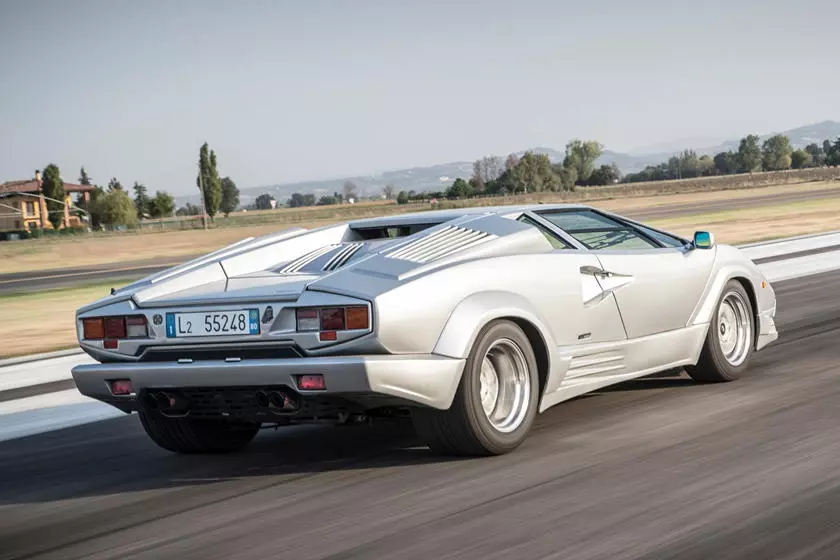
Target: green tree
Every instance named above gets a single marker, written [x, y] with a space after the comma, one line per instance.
[817, 154]
[84, 178]
[388, 191]
[114, 185]
[402, 198]
[725, 163]
[604, 175]
[832, 153]
[208, 180]
[230, 197]
[142, 200]
[326, 200]
[705, 166]
[776, 152]
[749, 154]
[533, 173]
[92, 208]
[263, 202]
[800, 159]
[581, 156]
[189, 210]
[459, 189]
[115, 208]
[53, 188]
[162, 205]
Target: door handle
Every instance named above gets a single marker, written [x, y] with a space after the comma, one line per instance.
[595, 271]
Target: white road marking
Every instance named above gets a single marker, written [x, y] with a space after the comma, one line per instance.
[53, 411]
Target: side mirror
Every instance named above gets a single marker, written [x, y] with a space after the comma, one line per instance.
[704, 240]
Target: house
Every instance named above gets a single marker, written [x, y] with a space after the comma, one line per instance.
[23, 206]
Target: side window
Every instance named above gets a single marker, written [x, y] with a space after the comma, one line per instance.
[596, 231]
[555, 241]
[664, 238]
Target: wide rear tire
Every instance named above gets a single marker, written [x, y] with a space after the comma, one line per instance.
[496, 401]
[731, 338]
[187, 435]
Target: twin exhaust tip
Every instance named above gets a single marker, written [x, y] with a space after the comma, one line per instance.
[276, 400]
[168, 403]
[172, 403]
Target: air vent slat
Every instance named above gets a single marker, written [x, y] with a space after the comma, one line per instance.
[439, 244]
[297, 264]
[341, 257]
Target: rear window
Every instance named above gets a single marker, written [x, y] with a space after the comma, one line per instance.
[390, 232]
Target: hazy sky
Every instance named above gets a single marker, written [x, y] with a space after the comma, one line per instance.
[309, 89]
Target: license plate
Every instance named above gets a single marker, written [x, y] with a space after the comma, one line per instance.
[213, 323]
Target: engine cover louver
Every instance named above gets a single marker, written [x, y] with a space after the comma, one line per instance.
[442, 243]
[342, 256]
[300, 262]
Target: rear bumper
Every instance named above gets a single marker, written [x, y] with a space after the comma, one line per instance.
[426, 379]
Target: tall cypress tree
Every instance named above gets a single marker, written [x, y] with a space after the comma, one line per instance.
[208, 180]
[53, 188]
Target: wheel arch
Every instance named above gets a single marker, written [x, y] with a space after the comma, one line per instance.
[751, 294]
[476, 311]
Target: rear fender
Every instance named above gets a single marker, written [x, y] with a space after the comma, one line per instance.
[475, 311]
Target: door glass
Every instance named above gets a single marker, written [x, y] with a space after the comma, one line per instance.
[555, 241]
[596, 231]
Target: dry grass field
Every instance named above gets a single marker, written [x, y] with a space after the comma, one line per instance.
[175, 245]
[53, 312]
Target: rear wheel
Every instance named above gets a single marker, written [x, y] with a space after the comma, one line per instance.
[188, 435]
[729, 343]
[496, 401]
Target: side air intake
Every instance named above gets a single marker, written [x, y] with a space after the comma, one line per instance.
[439, 244]
[342, 256]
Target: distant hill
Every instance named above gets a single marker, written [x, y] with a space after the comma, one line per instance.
[438, 177]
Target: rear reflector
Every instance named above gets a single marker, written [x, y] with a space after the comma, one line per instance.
[111, 343]
[357, 317]
[121, 387]
[328, 335]
[332, 319]
[115, 327]
[312, 382]
[94, 329]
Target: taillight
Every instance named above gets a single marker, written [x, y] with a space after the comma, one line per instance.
[115, 328]
[94, 329]
[328, 320]
[135, 327]
[332, 319]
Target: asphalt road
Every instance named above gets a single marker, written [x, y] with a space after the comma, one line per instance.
[121, 271]
[656, 468]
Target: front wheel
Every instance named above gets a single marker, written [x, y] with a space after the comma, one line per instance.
[496, 401]
[729, 343]
[188, 435]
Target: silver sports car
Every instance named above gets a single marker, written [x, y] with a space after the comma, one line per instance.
[468, 321]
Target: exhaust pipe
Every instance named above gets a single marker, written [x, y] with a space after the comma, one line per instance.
[280, 400]
[168, 403]
[262, 399]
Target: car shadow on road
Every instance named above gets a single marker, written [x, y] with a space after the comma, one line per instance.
[115, 456]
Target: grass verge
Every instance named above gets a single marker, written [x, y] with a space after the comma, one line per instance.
[44, 321]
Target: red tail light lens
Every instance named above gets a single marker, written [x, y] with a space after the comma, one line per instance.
[93, 329]
[114, 327]
[332, 319]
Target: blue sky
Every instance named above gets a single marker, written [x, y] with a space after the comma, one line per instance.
[288, 91]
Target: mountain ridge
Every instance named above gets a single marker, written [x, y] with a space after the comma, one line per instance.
[439, 176]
